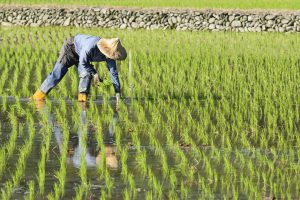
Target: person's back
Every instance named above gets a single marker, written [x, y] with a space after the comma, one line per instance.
[85, 41]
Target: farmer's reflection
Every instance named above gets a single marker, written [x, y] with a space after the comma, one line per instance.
[93, 154]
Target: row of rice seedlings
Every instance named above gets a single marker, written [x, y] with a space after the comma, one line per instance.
[152, 133]
[155, 186]
[101, 167]
[165, 130]
[4, 74]
[127, 177]
[104, 164]
[24, 152]
[186, 140]
[46, 132]
[8, 149]
[141, 166]
[82, 189]
[141, 156]
[184, 171]
[59, 186]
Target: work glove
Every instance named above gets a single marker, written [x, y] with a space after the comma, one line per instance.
[96, 80]
[118, 99]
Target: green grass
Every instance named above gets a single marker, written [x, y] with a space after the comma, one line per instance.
[211, 115]
[219, 4]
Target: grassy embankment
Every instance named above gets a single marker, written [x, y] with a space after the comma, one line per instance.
[218, 4]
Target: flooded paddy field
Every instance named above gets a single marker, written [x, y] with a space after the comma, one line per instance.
[204, 116]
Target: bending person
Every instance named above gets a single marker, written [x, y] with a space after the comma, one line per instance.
[80, 51]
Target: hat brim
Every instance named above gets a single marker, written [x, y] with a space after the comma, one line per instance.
[105, 48]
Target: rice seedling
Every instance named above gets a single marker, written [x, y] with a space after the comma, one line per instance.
[141, 163]
[59, 186]
[48, 122]
[30, 195]
[4, 103]
[82, 134]
[154, 185]
[124, 156]
[6, 191]
[41, 173]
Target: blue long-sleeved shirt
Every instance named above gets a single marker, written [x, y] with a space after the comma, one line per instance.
[86, 48]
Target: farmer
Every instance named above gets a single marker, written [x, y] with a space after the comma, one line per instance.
[80, 51]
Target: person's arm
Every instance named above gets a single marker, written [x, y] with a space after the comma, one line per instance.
[84, 66]
[111, 66]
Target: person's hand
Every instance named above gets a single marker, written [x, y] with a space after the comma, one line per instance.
[118, 97]
[96, 80]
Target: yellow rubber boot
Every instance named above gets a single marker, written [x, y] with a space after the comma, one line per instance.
[82, 97]
[39, 105]
[39, 95]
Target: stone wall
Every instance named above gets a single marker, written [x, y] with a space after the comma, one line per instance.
[128, 18]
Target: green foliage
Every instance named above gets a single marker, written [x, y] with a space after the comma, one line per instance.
[204, 115]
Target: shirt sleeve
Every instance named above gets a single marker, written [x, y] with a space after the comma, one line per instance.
[84, 65]
[112, 68]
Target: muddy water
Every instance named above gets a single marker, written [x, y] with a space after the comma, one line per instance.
[72, 181]
[217, 188]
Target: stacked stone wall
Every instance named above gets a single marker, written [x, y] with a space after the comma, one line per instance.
[129, 18]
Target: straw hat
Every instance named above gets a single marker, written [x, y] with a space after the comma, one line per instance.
[112, 48]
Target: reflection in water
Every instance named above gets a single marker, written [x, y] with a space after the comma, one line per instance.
[76, 142]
